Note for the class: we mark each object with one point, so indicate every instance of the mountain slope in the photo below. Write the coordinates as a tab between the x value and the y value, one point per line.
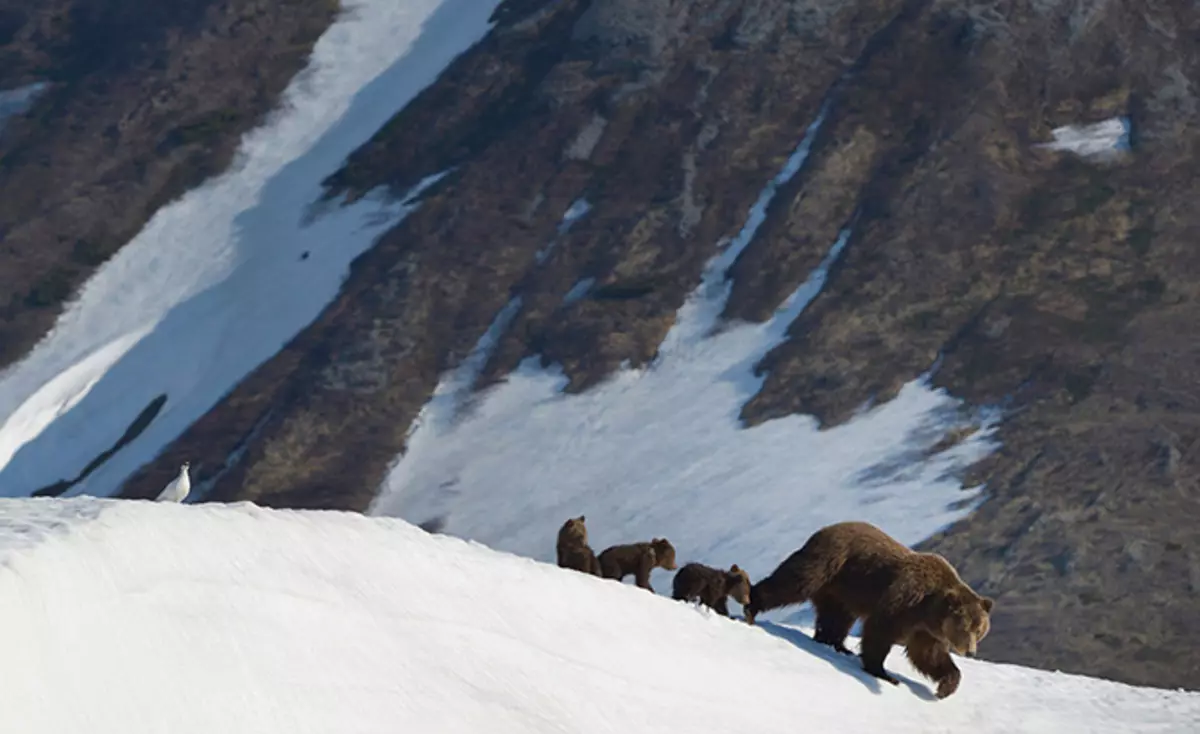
237	619
138	102
222	278
587	160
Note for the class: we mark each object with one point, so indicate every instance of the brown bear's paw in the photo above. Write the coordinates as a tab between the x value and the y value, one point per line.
882	674
949	684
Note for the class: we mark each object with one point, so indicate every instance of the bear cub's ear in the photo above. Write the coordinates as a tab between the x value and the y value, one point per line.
734	568
988	602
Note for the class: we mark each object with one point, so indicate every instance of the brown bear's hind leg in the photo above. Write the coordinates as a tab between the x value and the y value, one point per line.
877	642
834	621
931	657
609	568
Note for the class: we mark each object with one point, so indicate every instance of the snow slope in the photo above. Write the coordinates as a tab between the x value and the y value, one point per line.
123	616
218	281
660	451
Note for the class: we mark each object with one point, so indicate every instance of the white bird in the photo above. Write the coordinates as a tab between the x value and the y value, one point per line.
179	487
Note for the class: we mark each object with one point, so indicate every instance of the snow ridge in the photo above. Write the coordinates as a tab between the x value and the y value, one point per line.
138	616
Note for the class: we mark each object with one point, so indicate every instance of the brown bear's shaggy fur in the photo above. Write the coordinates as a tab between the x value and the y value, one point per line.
853	570
573	549
638	559
710	586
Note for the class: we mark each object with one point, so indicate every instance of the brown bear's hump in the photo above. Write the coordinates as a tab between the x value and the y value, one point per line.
938	570
859	532
857	540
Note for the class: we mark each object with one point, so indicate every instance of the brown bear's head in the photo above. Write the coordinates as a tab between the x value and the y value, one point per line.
737	581
664	553
965	619
574	528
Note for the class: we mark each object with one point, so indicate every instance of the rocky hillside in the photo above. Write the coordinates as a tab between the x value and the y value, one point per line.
140	102
1059	286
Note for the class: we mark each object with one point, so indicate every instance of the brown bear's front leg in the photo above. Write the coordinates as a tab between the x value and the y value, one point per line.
721	607
646	565
931	658
834	621
877	642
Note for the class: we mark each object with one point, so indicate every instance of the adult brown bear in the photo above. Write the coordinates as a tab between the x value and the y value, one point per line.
854	570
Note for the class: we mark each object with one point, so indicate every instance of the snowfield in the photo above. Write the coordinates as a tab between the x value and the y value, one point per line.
219	280
122	616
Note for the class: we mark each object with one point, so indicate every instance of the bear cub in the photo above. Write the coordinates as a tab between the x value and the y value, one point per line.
573	549
711	586
638	559
852	571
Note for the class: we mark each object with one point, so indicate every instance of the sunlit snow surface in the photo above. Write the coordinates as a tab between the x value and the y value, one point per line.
660	451
218	281
121	617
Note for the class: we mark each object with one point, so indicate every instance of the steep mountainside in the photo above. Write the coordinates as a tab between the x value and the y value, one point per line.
1058	286
142	101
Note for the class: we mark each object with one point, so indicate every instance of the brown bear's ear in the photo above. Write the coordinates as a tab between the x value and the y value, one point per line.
988	603
734	568
582	518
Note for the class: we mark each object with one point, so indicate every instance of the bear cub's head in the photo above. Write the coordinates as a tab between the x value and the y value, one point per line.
964	620
574	529
737	584
664	553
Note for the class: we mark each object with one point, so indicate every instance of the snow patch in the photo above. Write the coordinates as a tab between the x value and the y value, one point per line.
127	616
62	393
1104	140
219	280
578	291
574	213
578	209
18	101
